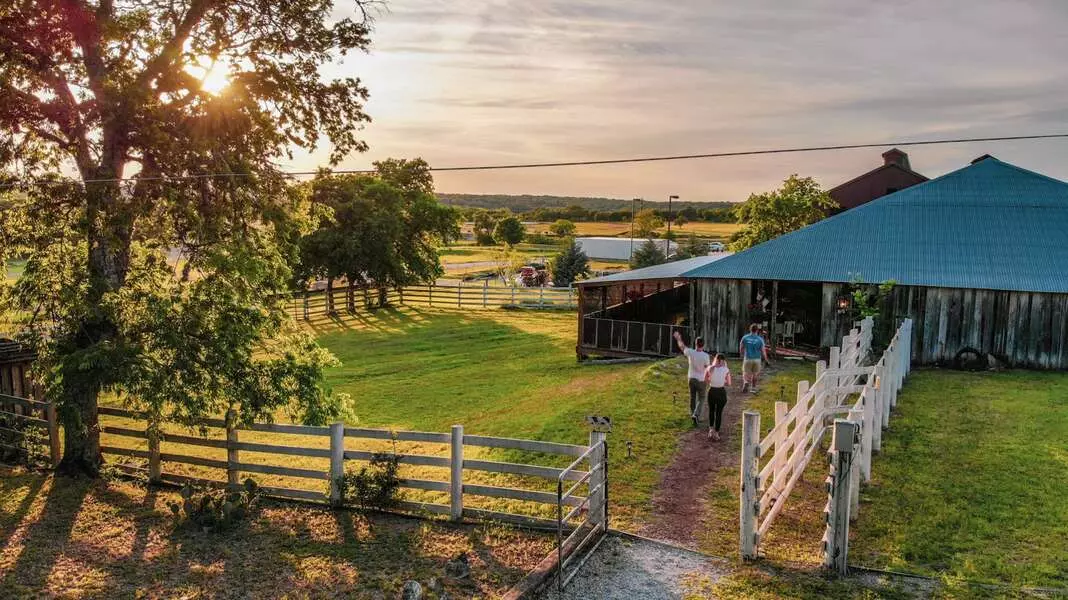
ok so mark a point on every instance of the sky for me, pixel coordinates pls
(506, 81)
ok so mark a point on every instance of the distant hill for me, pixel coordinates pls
(526, 203)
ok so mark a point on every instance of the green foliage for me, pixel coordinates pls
(679, 220)
(373, 485)
(540, 239)
(107, 89)
(691, 247)
(215, 510)
(648, 254)
(569, 265)
(646, 222)
(799, 202)
(563, 228)
(380, 230)
(509, 230)
(868, 299)
(551, 208)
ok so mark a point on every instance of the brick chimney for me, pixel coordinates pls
(896, 157)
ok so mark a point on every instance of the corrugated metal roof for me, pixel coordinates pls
(990, 225)
(665, 271)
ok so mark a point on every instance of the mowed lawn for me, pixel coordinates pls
(510, 374)
(972, 481)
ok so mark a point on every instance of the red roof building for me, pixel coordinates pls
(894, 174)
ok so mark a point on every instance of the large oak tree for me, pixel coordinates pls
(123, 96)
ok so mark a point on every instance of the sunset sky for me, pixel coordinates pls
(492, 82)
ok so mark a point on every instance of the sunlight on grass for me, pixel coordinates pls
(972, 481)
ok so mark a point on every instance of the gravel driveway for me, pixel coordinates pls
(626, 568)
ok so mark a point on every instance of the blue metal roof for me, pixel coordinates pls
(990, 225)
(667, 270)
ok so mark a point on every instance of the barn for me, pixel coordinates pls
(978, 258)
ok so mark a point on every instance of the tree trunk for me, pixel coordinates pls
(383, 296)
(81, 435)
(108, 236)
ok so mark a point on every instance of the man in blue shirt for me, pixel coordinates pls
(753, 351)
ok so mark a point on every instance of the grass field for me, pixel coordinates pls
(972, 482)
(719, 231)
(14, 269)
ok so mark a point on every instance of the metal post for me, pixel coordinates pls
(747, 516)
(337, 462)
(667, 240)
(456, 474)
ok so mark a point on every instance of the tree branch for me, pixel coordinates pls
(174, 46)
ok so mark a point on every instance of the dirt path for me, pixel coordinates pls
(679, 503)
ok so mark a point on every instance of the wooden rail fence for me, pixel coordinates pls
(798, 431)
(235, 466)
(461, 295)
(17, 416)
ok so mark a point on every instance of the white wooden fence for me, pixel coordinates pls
(798, 431)
(593, 478)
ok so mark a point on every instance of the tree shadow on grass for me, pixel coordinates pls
(47, 536)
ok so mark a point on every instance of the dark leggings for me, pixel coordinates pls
(717, 399)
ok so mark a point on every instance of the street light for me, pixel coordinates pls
(632, 226)
(667, 240)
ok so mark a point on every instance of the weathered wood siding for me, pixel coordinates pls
(720, 312)
(1023, 329)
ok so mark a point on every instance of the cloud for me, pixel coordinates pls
(492, 81)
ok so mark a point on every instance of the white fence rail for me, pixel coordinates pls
(451, 457)
(799, 430)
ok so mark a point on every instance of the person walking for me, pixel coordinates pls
(753, 351)
(718, 377)
(698, 363)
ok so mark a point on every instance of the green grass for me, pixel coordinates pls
(497, 372)
(15, 269)
(972, 482)
(511, 374)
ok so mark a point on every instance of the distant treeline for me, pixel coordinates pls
(551, 208)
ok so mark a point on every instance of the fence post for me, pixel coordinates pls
(747, 516)
(460, 294)
(155, 472)
(836, 553)
(485, 293)
(541, 297)
(337, 461)
(53, 434)
(856, 416)
(305, 304)
(513, 294)
(781, 410)
(598, 508)
(867, 436)
(232, 457)
(430, 294)
(821, 388)
(400, 292)
(456, 474)
(834, 379)
(877, 406)
(570, 298)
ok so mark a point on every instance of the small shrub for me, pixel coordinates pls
(541, 239)
(213, 510)
(485, 239)
(373, 485)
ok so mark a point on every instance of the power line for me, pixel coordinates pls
(583, 163)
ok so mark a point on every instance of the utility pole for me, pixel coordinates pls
(632, 226)
(667, 240)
